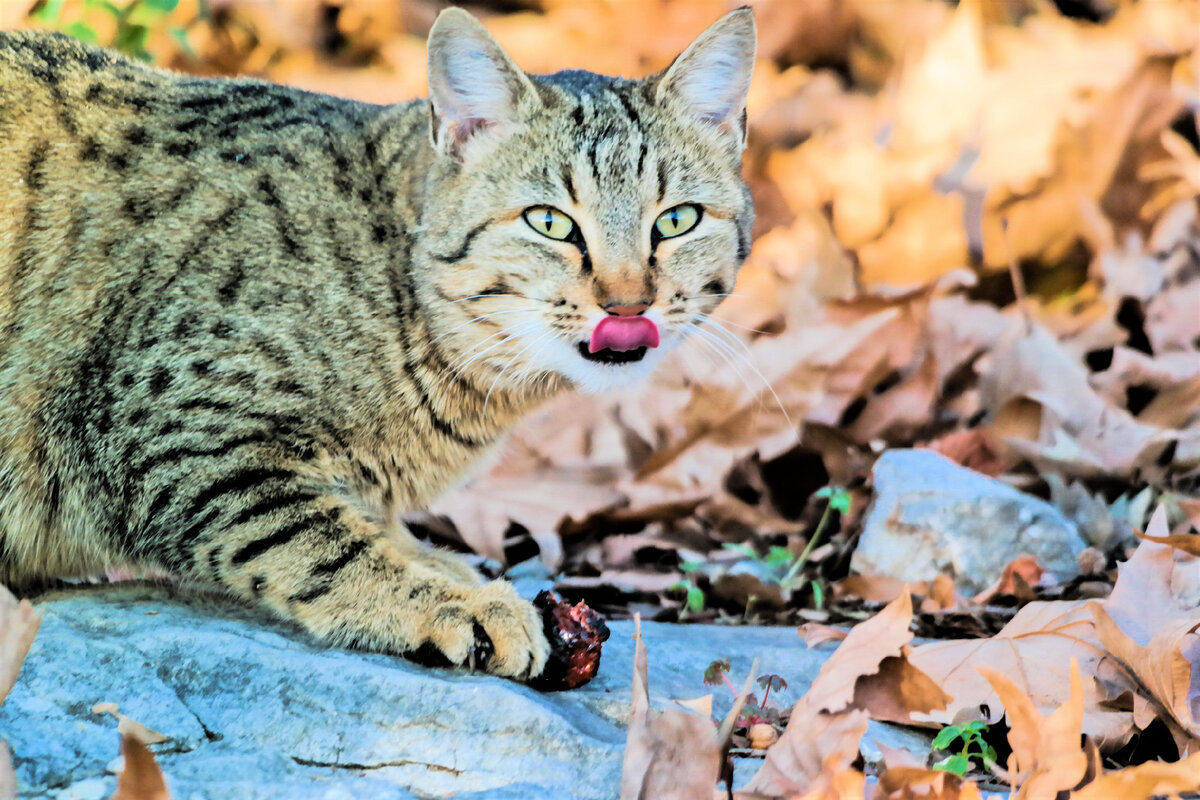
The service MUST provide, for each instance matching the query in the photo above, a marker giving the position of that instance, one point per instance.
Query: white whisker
(490, 294)
(746, 358)
(738, 325)
(488, 397)
(480, 318)
(725, 354)
(511, 332)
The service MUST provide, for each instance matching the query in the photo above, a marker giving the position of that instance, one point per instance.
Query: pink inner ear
(623, 333)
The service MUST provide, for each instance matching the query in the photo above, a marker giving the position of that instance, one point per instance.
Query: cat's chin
(605, 371)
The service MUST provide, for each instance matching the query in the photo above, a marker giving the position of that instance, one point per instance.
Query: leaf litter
(977, 232)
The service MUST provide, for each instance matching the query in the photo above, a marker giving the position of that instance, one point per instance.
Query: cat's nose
(625, 309)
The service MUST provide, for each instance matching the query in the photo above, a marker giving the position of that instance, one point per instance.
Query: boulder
(931, 515)
(254, 709)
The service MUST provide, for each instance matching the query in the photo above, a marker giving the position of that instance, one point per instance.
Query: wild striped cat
(243, 327)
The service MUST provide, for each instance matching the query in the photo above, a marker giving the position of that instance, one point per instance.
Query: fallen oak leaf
(1034, 647)
(141, 779)
(19, 623)
(870, 670)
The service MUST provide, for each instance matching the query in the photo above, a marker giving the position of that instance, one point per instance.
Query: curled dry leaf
(19, 623)
(672, 755)
(1048, 755)
(867, 676)
(1154, 636)
(130, 727)
(141, 779)
(870, 670)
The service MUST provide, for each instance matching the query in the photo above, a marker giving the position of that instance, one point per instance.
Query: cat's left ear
(711, 78)
(474, 87)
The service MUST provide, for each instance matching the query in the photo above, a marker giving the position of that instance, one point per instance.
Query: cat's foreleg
(324, 565)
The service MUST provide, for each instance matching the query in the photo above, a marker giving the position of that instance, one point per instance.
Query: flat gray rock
(931, 515)
(255, 710)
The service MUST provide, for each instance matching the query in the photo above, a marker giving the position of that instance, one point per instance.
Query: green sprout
(974, 746)
(694, 603)
(781, 566)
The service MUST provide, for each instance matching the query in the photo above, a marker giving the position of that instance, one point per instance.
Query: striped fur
(244, 327)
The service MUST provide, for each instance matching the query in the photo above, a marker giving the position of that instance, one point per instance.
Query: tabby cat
(243, 327)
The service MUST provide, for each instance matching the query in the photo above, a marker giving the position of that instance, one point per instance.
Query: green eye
(549, 222)
(677, 220)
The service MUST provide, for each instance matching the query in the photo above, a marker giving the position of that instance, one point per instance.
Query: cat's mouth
(609, 356)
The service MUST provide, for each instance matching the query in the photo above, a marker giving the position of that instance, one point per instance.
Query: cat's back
(108, 167)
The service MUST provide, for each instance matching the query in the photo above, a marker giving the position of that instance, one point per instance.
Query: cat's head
(582, 225)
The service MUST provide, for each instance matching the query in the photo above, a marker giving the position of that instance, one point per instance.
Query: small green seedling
(695, 595)
(974, 746)
(783, 568)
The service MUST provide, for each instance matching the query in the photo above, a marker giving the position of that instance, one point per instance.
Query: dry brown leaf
(1034, 649)
(128, 726)
(1048, 755)
(897, 691)
(867, 676)
(673, 755)
(862, 652)
(1078, 433)
(1153, 635)
(919, 783)
(18, 626)
(1153, 779)
(877, 588)
(814, 747)
(141, 779)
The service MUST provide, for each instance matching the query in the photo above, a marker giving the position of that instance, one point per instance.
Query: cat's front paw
(492, 629)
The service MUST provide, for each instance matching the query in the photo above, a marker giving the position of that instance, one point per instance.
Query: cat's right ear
(474, 87)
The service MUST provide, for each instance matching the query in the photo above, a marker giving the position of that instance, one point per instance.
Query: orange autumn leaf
(1144, 781)
(919, 783)
(141, 779)
(1048, 755)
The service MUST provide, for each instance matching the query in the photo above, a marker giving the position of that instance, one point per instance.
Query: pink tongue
(623, 333)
